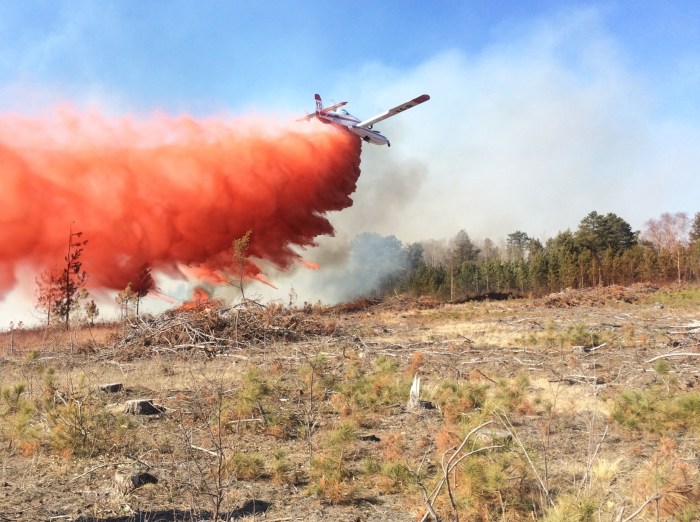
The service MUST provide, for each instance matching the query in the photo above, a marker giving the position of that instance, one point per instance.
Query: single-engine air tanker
(363, 128)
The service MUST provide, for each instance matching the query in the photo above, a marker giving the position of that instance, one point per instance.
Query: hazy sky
(540, 113)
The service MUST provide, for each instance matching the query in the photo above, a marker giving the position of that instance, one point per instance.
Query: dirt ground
(306, 418)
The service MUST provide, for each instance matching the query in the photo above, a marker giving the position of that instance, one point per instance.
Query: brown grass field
(581, 406)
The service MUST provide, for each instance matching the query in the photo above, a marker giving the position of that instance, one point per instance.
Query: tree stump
(142, 407)
(414, 396)
(126, 481)
(113, 387)
(414, 401)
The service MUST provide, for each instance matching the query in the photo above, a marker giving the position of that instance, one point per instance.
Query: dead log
(580, 379)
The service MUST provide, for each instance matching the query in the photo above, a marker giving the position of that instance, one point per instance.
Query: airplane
(363, 128)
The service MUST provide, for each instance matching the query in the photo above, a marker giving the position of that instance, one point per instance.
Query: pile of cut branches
(216, 329)
(397, 303)
(598, 296)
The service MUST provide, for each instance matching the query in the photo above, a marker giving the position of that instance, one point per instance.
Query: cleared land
(584, 405)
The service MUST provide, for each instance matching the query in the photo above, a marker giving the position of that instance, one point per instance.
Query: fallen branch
(485, 376)
(587, 349)
(205, 450)
(91, 470)
(655, 496)
(579, 379)
(593, 457)
(672, 354)
(428, 504)
(244, 420)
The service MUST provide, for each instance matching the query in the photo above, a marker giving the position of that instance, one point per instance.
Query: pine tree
(91, 311)
(142, 284)
(694, 233)
(73, 278)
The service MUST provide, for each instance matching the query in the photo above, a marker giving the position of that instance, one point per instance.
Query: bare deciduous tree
(48, 292)
(126, 299)
(669, 233)
(240, 255)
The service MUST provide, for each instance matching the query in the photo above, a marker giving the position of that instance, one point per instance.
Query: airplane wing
(393, 112)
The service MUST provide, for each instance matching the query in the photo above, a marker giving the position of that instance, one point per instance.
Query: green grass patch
(657, 411)
(680, 298)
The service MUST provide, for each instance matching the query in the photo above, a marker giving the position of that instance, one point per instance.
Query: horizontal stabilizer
(332, 107)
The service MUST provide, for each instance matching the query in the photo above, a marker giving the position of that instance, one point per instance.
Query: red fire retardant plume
(165, 192)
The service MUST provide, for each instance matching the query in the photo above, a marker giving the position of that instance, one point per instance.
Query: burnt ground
(305, 417)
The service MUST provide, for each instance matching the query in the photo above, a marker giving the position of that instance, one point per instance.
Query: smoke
(532, 131)
(165, 192)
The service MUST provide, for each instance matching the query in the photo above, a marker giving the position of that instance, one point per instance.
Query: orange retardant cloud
(165, 192)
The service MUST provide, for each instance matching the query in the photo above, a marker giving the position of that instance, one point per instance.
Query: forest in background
(603, 250)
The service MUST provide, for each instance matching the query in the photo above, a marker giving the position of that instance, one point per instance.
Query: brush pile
(398, 303)
(598, 296)
(216, 328)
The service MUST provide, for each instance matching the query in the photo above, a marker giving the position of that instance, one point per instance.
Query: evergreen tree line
(603, 250)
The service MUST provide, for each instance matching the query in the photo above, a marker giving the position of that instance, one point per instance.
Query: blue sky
(206, 56)
(181, 55)
(540, 113)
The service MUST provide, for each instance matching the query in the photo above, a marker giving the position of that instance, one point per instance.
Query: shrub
(17, 417)
(254, 389)
(331, 479)
(85, 430)
(245, 466)
(457, 397)
(655, 412)
(572, 509)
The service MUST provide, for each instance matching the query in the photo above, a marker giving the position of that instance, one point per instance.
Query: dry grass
(58, 339)
(317, 428)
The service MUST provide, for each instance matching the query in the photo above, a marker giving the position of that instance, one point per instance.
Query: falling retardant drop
(165, 192)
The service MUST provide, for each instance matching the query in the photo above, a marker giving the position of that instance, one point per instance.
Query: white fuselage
(362, 128)
(345, 119)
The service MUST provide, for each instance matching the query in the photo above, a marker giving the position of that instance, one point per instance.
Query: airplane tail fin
(319, 110)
